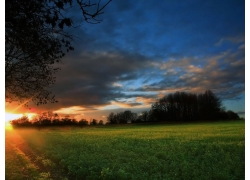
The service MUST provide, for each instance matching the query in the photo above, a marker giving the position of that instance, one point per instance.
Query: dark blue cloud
(168, 28)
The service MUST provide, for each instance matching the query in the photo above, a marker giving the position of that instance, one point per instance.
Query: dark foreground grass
(195, 151)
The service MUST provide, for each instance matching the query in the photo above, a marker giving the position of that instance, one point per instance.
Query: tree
(36, 40)
(122, 117)
(66, 120)
(232, 115)
(22, 121)
(187, 107)
(210, 106)
(157, 111)
(111, 118)
(101, 122)
(143, 117)
(93, 122)
(83, 122)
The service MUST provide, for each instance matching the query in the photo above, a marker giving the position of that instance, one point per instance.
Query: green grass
(195, 151)
(17, 164)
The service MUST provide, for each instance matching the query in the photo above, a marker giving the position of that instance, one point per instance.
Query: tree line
(50, 119)
(179, 107)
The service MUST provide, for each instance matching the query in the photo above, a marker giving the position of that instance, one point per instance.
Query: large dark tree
(35, 40)
(121, 117)
(209, 106)
(186, 107)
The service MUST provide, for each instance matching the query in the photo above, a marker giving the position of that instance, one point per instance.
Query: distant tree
(186, 107)
(122, 117)
(36, 38)
(43, 116)
(157, 112)
(38, 120)
(209, 106)
(232, 115)
(93, 122)
(66, 120)
(111, 119)
(134, 117)
(101, 122)
(22, 121)
(74, 121)
(143, 117)
(56, 119)
(125, 117)
(83, 122)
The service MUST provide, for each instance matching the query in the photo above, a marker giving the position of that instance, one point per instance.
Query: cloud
(146, 101)
(94, 79)
(233, 39)
(126, 104)
(117, 85)
(222, 73)
(161, 29)
(71, 110)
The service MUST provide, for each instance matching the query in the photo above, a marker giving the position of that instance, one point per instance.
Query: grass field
(187, 151)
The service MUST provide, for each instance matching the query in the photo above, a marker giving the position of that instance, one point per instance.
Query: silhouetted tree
(186, 107)
(66, 120)
(112, 118)
(232, 115)
(101, 122)
(122, 117)
(22, 121)
(35, 40)
(56, 119)
(37, 120)
(158, 112)
(93, 122)
(125, 117)
(143, 117)
(209, 106)
(83, 122)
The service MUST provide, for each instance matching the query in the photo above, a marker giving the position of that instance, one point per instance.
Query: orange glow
(8, 126)
(12, 116)
(30, 115)
(70, 110)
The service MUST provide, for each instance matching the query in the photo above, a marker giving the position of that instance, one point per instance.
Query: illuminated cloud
(117, 85)
(126, 104)
(218, 72)
(233, 39)
(70, 110)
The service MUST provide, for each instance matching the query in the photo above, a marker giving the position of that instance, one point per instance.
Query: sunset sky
(143, 50)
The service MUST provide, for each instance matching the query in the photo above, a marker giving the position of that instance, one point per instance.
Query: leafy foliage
(187, 107)
(35, 41)
(122, 117)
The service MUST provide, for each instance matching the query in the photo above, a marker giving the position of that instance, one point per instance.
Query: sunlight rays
(10, 116)
(8, 126)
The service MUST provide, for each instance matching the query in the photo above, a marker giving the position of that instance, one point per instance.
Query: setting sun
(10, 116)
(8, 126)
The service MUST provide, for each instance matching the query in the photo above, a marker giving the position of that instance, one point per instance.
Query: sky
(143, 50)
